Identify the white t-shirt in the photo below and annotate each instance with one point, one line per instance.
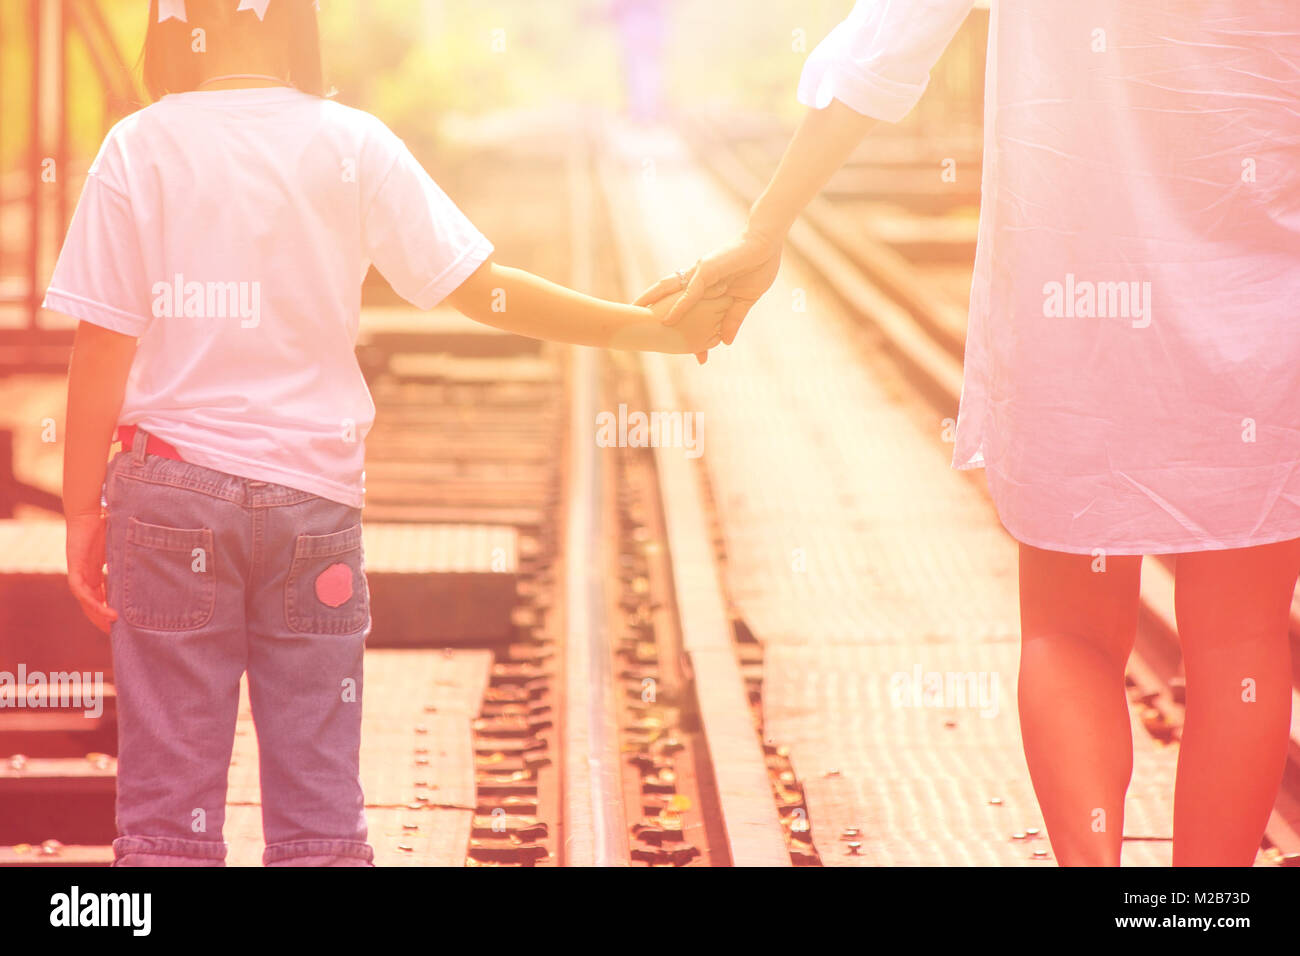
(230, 231)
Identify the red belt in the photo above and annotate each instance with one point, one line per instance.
(153, 444)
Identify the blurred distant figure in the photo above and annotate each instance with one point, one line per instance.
(641, 27)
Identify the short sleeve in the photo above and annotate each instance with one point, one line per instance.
(99, 277)
(878, 61)
(416, 236)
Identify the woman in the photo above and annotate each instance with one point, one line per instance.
(1132, 364)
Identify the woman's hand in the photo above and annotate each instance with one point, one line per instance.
(742, 270)
(85, 551)
(698, 330)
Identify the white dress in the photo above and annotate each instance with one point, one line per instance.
(1132, 373)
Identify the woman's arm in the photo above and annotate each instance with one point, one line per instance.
(520, 302)
(823, 142)
(873, 67)
(101, 361)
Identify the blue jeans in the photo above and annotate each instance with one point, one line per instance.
(213, 575)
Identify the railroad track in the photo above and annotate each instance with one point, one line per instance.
(663, 762)
(888, 277)
(620, 720)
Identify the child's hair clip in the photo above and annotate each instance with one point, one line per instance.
(175, 9)
(257, 6)
(171, 9)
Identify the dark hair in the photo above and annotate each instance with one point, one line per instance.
(290, 29)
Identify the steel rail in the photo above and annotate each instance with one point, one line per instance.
(595, 832)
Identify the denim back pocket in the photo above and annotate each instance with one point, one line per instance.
(326, 591)
(169, 580)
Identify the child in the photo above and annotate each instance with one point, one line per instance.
(215, 262)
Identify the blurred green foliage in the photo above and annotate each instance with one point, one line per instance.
(411, 61)
(405, 58)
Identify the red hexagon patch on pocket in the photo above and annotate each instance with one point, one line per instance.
(334, 585)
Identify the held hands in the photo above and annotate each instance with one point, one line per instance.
(696, 330)
(737, 274)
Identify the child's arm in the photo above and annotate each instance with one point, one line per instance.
(101, 361)
(520, 302)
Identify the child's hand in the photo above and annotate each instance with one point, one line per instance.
(85, 550)
(698, 330)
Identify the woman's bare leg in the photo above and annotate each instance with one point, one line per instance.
(1233, 612)
(1078, 623)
